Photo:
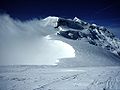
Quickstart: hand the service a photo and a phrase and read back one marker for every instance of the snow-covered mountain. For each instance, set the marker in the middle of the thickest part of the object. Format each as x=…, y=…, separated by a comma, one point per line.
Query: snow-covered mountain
x=56, y=40
x=36, y=52
x=77, y=29
x=94, y=45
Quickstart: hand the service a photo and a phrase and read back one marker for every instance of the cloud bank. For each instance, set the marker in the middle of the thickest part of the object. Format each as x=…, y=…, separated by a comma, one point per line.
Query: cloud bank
x=25, y=42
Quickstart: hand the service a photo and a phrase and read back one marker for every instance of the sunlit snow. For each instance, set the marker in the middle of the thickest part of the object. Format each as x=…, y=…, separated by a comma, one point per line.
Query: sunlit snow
x=38, y=58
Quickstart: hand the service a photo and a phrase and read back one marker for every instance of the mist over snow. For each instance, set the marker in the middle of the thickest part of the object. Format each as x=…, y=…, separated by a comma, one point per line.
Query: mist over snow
x=62, y=52
x=56, y=41
x=27, y=42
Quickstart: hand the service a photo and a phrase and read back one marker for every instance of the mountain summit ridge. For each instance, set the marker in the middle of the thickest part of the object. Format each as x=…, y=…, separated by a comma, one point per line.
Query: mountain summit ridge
x=96, y=35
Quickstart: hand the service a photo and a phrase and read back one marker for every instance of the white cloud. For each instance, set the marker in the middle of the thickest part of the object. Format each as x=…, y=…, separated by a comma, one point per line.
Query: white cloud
x=23, y=42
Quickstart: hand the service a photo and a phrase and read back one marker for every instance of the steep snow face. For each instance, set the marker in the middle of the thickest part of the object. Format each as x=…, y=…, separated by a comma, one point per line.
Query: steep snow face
x=88, y=55
x=95, y=35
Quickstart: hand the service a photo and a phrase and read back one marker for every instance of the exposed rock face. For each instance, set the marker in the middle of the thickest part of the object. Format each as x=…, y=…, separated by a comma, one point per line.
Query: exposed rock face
x=69, y=24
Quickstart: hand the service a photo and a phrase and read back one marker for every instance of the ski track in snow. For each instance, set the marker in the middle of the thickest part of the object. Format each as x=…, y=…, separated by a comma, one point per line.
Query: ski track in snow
x=59, y=80
x=48, y=78
x=108, y=83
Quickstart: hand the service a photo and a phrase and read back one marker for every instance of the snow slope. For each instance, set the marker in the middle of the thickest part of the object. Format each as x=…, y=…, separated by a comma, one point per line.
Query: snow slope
x=94, y=45
x=89, y=55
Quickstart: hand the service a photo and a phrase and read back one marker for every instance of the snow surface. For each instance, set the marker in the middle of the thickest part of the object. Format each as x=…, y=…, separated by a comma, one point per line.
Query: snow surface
x=89, y=55
x=52, y=78
x=42, y=55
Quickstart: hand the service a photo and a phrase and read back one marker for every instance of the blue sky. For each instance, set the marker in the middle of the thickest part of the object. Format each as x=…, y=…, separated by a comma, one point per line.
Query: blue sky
x=102, y=12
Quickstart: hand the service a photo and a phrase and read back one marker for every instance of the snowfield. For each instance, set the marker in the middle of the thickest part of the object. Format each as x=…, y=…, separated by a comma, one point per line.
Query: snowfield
x=53, y=78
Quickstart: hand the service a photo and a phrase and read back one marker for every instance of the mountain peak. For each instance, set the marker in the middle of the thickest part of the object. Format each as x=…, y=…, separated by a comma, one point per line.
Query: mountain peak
x=77, y=19
x=100, y=36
